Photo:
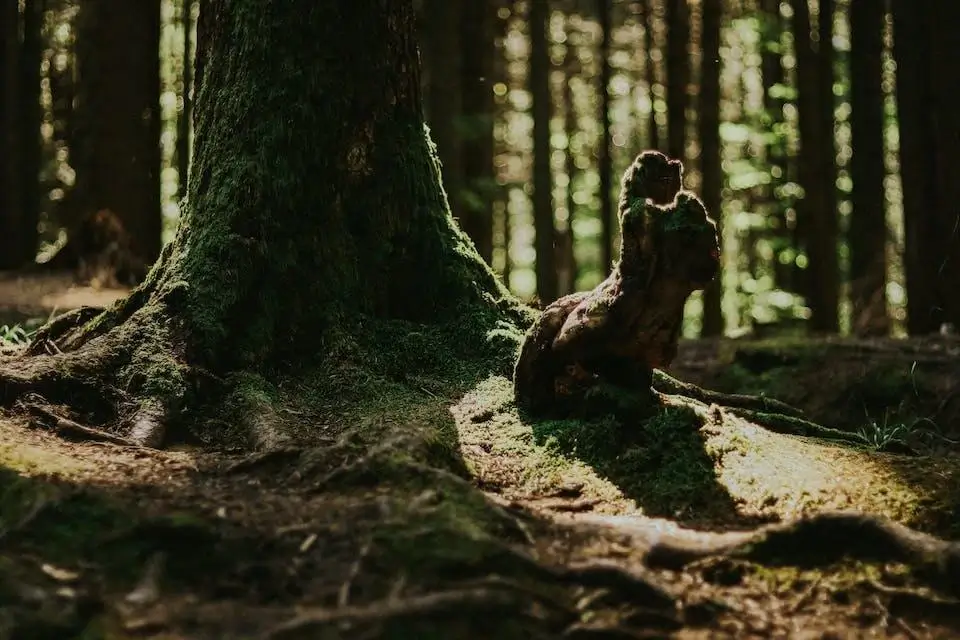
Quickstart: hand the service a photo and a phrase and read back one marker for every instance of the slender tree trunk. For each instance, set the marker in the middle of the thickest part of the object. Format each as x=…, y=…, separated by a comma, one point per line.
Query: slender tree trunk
x=542, y=177
x=568, y=260
x=653, y=130
x=444, y=103
x=478, y=49
x=868, y=230
x=773, y=77
x=819, y=225
x=605, y=166
x=678, y=77
x=709, y=125
x=184, y=118
x=118, y=50
x=10, y=207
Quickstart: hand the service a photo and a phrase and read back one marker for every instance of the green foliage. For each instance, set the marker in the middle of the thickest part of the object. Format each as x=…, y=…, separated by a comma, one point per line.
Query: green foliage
x=14, y=336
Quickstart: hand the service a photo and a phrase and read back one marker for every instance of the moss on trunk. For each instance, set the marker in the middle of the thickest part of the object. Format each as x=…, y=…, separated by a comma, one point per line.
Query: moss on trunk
x=315, y=212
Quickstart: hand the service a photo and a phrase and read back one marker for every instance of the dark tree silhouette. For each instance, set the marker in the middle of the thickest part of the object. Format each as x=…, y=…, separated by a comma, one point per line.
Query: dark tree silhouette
x=650, y=70
x=184, y=118
x=927, y=78
x=542, y=176
x=605, y=165
x=20, y=119
x=868, y=230
x=709, y=130
x=118, y=132
x=678, y=77
x=477, y=45
x=817, y=214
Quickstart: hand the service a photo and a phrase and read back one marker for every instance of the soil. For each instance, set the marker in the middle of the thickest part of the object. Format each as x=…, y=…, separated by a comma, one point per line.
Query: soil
x=108, y=541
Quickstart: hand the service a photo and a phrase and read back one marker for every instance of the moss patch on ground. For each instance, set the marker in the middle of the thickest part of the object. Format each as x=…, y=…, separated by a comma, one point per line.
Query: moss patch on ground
x=695, y=464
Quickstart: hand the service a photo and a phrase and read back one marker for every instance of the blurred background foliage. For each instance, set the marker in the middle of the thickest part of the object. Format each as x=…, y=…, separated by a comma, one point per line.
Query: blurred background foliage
x=537, y=107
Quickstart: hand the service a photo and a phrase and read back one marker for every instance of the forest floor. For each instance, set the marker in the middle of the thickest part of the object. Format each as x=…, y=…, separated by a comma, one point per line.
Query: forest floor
x=99, y=540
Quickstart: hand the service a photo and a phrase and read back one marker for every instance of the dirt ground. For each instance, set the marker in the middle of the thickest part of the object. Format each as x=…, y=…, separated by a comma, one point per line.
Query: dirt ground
x=109, y=541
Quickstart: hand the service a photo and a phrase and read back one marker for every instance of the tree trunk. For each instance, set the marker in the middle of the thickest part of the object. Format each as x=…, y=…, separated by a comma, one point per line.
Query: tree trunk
x=818, y=218
x=605, y=165
x=10, y=207
x=295, y=234
x=868, y=230
x=184, y=118
x=118, y=47
x=678, y=77
x=20, y=120
x=653, y=130
x=568, y=270
x=478, y=48
x=929, y=152
x=542, y=177
x=709, y=125
x=776, y=156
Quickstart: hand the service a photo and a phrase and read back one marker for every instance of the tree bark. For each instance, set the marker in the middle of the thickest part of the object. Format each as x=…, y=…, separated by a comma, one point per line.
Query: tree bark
x=118, y=52
x=678, y=77
x=709, y=125
x=818, y=218
x=605, y=165
x=868, y=230
x=539, y=80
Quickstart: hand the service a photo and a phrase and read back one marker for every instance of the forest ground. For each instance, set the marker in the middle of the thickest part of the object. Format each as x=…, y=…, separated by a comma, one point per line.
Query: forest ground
x=103, y=540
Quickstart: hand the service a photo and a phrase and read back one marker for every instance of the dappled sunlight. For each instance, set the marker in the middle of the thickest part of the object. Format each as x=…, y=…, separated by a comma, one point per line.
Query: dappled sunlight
x=715, y=468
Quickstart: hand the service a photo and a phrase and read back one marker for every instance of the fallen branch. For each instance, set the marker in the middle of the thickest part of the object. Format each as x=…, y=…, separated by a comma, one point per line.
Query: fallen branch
x=667, y=384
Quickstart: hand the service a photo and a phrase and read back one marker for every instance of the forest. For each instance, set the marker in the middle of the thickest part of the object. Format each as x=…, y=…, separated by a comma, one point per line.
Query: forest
x=500, y=318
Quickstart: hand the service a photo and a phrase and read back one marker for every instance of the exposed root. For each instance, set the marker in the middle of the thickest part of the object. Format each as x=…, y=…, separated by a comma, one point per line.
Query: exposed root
x=459, y=603
x=790, y=425
x=46, y=338
x=823, y=539
x=283, y=455
x=67, y=428
x=148, y=427
x=670, y=385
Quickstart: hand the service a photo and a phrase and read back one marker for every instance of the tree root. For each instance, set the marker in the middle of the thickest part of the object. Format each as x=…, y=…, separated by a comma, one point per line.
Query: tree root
x=46, y=338
x=456, y=603
x=67, y=428
x=669, y=385
x=790, y=425
x=823, y=539
x=148, y=427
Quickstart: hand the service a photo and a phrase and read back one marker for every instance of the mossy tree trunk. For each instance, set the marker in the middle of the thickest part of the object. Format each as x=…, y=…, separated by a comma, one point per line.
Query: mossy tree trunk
x=296, y=232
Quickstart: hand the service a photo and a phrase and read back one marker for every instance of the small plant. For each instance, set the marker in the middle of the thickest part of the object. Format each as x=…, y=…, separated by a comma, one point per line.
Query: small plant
x=881, y=435
x=15, y=336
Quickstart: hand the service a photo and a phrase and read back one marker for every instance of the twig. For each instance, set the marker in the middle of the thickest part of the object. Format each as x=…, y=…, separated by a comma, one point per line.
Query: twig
x=343, y=597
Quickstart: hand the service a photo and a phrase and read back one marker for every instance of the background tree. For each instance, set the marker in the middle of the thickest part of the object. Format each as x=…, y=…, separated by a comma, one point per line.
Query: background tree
x=868, y=229
x=20, y=118
x=678, y=77
x=117, y=137
x=710, y=156
x=605, y=165
x=930, y=137
x=816, y=216
x=542, y=176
